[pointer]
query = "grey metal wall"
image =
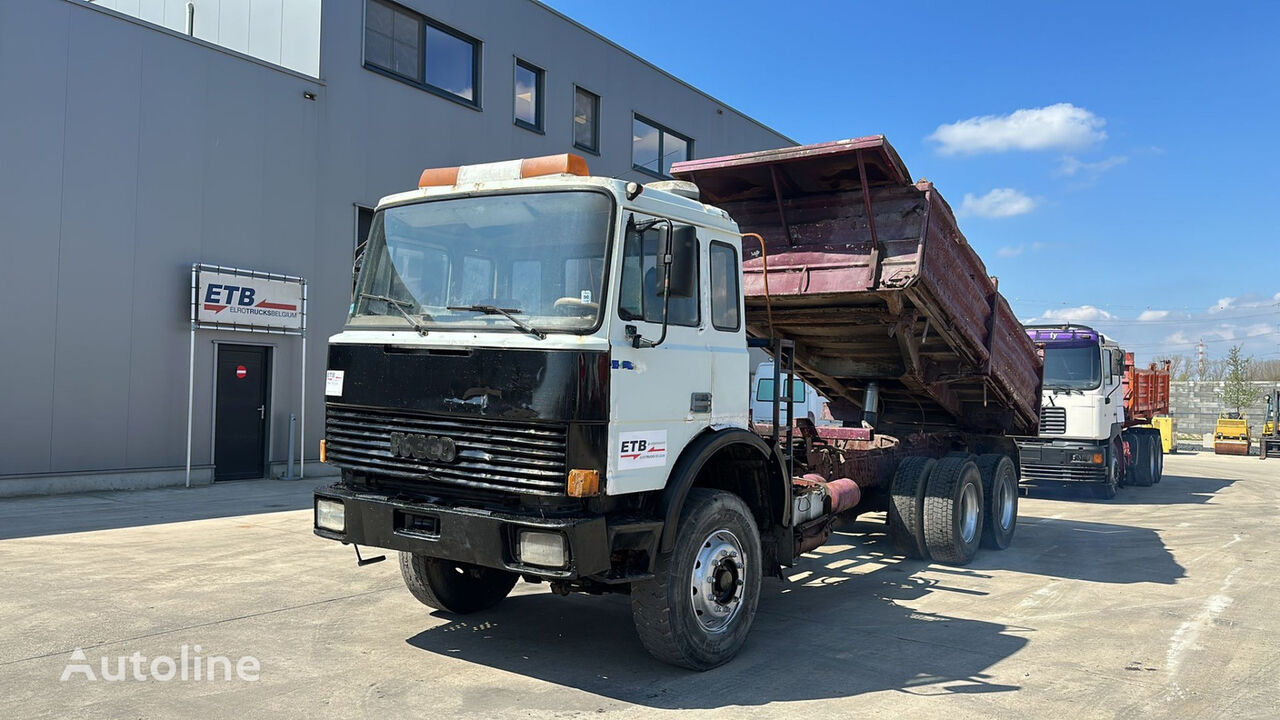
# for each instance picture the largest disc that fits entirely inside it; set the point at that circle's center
(130, 152)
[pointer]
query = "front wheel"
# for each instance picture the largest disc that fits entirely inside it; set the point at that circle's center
(697, 610)
(454, 587)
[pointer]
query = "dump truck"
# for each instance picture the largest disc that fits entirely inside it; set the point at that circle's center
(1269, 440)
(542, 373)
(1096, 413)
(1231, 434)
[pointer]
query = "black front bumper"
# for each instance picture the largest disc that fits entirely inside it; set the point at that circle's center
(1055, 461)
(479, 537)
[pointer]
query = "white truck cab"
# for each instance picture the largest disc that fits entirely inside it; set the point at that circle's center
(536, 365)
(1083, 436)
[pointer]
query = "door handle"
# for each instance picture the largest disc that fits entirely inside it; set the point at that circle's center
(262, 412)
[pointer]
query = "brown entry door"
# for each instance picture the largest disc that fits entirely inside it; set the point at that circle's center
(240, 415)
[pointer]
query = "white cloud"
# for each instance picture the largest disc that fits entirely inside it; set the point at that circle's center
(999, 203)
(1258, 329)
(1039, 245)
(1062, 126)
(1009, 251)
(1223, 304)
(1149, 315)
(1179, 338)
(1084, 313)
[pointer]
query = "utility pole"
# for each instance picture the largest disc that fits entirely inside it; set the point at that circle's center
(1200, 360)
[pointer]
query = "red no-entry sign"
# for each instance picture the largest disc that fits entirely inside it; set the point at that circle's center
(241, 371)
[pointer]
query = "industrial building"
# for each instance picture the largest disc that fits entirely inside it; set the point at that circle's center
(140, 137)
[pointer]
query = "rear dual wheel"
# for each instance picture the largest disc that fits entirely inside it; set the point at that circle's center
(944, 509)
(1148, 457)
(953, 511)
(1143, 471)
(1000, 487)
(906, 506)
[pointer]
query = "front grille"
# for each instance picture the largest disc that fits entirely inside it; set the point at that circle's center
(1064, 473)
(517, 457)
(1053, 420)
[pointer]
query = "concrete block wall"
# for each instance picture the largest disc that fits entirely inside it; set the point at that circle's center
(1195, 405)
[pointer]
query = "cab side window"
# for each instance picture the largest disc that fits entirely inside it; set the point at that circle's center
(724, 287)
(641, 287)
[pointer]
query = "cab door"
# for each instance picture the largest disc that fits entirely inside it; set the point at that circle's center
(660, 397)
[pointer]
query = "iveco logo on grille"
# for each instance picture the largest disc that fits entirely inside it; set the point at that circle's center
(423, 447)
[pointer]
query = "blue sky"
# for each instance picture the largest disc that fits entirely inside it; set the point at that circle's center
(1136, 189)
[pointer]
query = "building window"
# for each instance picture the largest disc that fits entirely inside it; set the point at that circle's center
(724, 287)
(453, 63)
(654, 148)
(410, 47)
(586, 120)
(393, 39)
(529, 81)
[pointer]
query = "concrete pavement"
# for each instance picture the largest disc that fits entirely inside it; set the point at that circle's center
(1159, 603)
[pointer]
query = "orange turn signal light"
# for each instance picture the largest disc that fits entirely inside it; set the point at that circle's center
(584, 483)
(1097, 458)
(322, 452)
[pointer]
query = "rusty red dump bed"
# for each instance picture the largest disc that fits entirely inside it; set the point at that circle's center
(870, 276)
(1146, 391)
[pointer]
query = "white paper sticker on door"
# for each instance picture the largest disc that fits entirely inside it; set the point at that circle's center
(642, 449)
(333, 382)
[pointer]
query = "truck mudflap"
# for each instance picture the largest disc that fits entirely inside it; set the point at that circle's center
(468, 535)
(1071, 463)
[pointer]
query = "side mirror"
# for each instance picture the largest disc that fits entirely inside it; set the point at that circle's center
(356, 262)
(681, 243)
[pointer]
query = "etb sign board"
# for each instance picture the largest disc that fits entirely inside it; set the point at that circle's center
(246, 301)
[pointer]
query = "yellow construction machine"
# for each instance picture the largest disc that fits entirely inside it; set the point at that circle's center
(1231, 434)
(1269, 442)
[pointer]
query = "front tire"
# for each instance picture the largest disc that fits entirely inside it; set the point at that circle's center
(454, 587)
(698, 608)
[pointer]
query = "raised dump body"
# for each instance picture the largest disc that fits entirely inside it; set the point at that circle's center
(869, 275)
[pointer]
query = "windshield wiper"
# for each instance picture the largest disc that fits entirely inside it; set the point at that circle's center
(399, 305)
(508, 313)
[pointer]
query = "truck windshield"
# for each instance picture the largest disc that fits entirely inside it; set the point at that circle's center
(540, 257)
(1077, 367)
